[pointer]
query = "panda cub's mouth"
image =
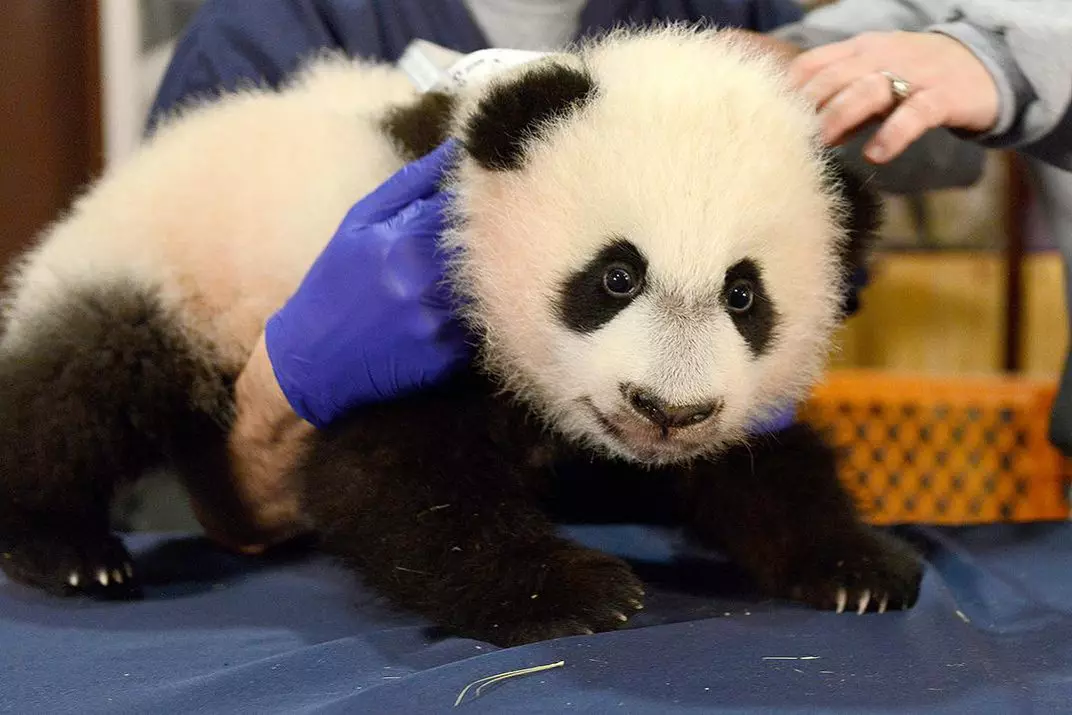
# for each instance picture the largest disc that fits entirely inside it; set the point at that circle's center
(649, 436)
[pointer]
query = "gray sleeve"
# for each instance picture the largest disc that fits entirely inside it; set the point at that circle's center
(1027, 47)
(847, 18)
(938, 159)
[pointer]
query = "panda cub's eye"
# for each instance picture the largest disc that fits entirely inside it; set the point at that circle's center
(740, 296)
(621, 281)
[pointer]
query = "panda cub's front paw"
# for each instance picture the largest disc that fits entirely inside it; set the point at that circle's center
(65, 565)
(874, 573)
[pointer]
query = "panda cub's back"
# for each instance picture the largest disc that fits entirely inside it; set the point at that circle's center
(227, 206)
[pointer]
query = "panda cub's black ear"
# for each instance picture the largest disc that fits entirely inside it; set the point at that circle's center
(514, 112)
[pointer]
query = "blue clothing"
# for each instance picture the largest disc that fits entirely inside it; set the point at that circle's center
(234, 41)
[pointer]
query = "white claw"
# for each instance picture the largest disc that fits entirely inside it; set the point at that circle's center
(116, 576)
(883, 603)
(842, 599)
(129, 569)
(102, 576)
(864, 600)
(73, 579)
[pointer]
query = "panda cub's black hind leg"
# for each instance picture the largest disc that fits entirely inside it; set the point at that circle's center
(780, 511)
(98, 386)
(431, 499)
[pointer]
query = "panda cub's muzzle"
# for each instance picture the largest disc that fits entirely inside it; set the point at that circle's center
(652, 429)
(668, 418)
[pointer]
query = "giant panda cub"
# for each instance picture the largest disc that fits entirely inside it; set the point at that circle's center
(647, 239)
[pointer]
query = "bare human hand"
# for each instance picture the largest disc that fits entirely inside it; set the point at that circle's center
(853, 81)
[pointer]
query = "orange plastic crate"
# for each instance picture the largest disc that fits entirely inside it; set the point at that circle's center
(942, 450)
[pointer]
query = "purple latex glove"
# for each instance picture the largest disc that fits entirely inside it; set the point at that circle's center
(371, 319)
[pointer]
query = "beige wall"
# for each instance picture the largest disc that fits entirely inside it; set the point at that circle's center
(940, 312)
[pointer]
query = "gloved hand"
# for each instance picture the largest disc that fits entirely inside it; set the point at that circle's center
(857, 282)
(371, 319)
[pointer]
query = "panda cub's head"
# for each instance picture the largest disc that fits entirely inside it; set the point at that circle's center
(651, 241)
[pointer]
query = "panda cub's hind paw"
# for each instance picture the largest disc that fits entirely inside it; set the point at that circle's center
(99, 567)
(565, 591)
(876, 575)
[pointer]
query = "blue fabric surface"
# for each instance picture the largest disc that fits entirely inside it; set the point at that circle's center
(295, 634)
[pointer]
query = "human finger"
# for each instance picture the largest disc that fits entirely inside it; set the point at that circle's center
(821, 88)
(416, 180)
(780, 49)
(922, 111)
(808, 64)
(867, 97)
(426, 215)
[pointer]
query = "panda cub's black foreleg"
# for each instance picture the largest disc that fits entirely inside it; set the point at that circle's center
(779, 510)
(433, 500)
(98, 386)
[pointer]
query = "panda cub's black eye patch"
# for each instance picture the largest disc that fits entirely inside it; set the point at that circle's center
(609, 282)
(751, 309)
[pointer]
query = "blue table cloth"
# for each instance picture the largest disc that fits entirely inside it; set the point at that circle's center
(219, 633)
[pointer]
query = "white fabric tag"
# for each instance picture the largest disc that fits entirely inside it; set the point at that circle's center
(427, 65)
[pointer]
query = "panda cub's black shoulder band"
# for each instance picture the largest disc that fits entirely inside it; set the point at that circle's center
(419, 127)
(515, 112)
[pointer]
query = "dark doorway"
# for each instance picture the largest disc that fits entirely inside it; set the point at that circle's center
(50, 127)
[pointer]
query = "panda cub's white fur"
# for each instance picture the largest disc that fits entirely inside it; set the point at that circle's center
(734, 172)
(651, 246)
(227, 205)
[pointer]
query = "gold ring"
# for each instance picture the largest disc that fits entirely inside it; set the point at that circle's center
(898, 86)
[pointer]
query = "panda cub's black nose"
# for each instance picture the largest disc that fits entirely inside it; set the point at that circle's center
(665, 415)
